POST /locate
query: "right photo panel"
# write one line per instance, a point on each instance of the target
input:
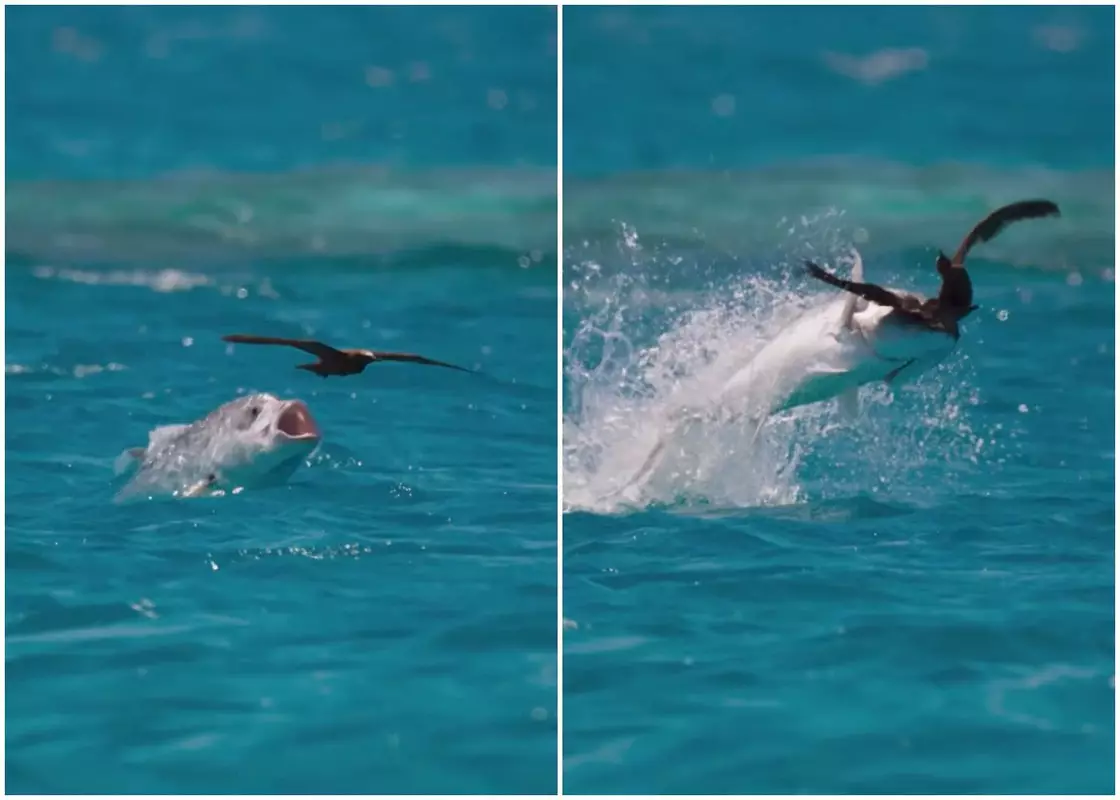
(839, 407)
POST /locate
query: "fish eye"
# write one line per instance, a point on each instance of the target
(255, 411)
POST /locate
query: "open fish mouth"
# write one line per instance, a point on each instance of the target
(296, 422)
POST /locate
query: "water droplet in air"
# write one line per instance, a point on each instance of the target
(724, 105)
(496, 99)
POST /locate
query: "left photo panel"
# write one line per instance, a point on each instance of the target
(281, 398)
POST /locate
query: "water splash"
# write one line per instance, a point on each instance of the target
(643, 352)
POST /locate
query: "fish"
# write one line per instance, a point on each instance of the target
(872, 334)
(249, 442)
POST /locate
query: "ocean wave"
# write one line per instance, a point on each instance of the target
(882, 207)
(38, 371)
(396, 216)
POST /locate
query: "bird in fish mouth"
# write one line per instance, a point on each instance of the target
(954, 300)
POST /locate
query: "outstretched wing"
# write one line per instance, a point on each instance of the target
(318, 349)
(381, 355)
(868, 291)
(989, 227)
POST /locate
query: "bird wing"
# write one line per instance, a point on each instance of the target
(381, 355)
(989, 227)
(868, 291)
(322, 351)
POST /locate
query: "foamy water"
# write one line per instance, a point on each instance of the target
(630, 385)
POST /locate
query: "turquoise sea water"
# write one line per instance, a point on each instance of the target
(919, 601)
(386, 621)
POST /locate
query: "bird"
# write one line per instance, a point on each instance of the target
(335, 361)
(954, 301)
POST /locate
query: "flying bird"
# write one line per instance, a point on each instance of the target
(333, 361)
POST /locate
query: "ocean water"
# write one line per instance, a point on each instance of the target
(385, 621)
(919, 600)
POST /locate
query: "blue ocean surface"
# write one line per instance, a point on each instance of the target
(916, 600)
(384, 621)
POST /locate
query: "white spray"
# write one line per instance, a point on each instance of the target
(700, 391)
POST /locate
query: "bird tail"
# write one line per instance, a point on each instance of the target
(315, 367)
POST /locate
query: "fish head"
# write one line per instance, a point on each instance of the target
(268, 416)
(897, 342)
(263, 437)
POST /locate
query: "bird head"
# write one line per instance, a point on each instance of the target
(955, 297)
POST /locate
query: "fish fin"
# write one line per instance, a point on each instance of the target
(846, 314)
(892, 376)
(164, 432)
(129, 459)
(200, 488)
(848, 402)
(853, 302)
(857, 275)
(857, 266)
(651, 463)
(756, 424)
(679, 420)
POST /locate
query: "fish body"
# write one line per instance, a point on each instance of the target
(253, 441)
